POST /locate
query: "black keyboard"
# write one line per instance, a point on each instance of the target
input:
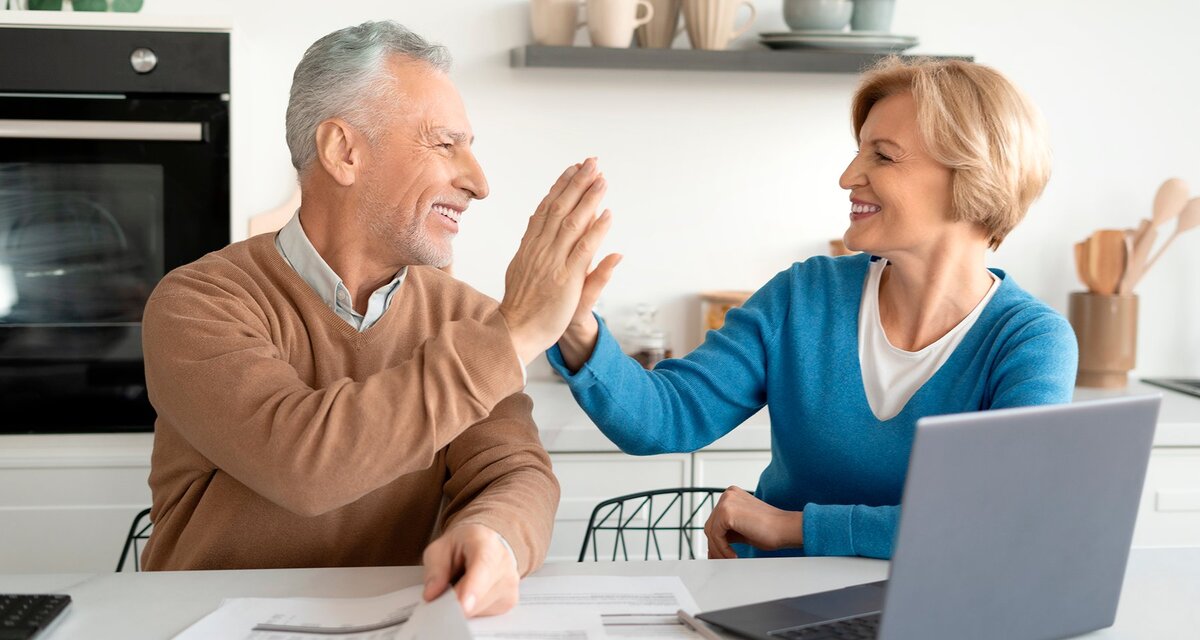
(856, 628)
(24, 616)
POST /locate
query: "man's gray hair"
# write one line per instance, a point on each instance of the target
(341, 72)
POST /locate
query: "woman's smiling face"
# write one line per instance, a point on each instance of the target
(900, 196)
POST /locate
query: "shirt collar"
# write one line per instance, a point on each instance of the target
(298, 250)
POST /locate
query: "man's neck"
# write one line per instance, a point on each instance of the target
(347, 252)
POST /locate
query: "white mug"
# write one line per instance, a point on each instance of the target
(611, 22)
(710, 23)
(554, 22)
(660, 32)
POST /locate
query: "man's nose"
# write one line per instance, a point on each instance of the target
(471, 177)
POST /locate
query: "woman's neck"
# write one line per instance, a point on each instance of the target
(921, 298)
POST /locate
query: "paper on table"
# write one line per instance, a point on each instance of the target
(630, 607)
(439, 619)
(540, 622)
(374, 618)
(566, 607)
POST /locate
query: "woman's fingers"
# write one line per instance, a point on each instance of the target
(595, 282)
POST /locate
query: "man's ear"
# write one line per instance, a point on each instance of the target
(340, 150)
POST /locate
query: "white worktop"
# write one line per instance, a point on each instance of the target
(1160, 589)
(564, 428)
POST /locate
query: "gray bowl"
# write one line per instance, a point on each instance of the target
(825, 15)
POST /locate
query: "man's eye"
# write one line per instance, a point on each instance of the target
(883, 157)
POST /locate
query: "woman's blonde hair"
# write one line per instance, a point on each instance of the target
(976, 122)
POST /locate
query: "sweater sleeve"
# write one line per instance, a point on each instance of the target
(850, 530)
(1038, 364)
(214, 374)
(499, 475)
(684, 403)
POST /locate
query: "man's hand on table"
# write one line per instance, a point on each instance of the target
(489, 581)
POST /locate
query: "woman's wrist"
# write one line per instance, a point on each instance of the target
(578, 342)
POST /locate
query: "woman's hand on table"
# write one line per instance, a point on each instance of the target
(742, 518)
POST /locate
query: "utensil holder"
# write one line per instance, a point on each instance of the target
(1106, 328)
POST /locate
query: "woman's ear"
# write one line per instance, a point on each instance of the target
(340, 150)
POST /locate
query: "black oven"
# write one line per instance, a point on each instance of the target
(114, 169)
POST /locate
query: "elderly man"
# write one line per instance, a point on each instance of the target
(325, 395)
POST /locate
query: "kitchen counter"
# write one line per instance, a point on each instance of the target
(564, 428)
(1178, 419)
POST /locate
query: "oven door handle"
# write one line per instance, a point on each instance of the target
(102, 130)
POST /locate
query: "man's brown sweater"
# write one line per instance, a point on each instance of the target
(286, 438)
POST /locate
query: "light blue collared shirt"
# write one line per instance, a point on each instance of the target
(299, 252)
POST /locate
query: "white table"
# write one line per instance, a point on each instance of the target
(1162, 587)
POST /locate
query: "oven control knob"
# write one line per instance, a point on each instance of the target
(143, 60)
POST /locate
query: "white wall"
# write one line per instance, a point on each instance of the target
(719, 180)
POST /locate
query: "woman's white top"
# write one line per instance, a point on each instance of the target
(891, 376)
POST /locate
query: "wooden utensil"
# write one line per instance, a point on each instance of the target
(1081, 263)
(1189, 218)
(1143, 240)
(1106, 257)
(1169, 200)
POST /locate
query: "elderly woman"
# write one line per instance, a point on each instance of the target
(847, 353)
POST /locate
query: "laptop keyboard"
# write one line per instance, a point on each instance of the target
(24, 616)
(856, 628)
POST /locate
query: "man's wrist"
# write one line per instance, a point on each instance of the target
(512, 554)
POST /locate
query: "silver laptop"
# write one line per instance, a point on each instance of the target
(1016, 525)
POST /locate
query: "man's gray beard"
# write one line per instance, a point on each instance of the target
(412, 241)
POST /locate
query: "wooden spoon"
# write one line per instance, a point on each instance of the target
(1142, 242)
(1189, 218)
(1081, 263)
(1106, 260)
(1169, 200)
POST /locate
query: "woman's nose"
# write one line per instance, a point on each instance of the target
(852, 177)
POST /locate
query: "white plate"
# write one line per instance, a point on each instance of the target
(839, 41)
(835, 34)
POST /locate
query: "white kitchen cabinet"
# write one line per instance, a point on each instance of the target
(723, 469)
(66, 502)
(590, 478)
(1169, 515)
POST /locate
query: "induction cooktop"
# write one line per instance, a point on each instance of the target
(1190, 386)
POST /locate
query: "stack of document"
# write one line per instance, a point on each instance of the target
(551, 608)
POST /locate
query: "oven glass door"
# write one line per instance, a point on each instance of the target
(99, 198)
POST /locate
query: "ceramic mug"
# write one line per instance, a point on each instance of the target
(710, 23)
(872, 15)
(611, 22)
(554, 22)
(662, 30)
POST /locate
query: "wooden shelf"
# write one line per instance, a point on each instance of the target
(786, 61)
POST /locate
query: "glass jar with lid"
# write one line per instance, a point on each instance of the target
(644, 340)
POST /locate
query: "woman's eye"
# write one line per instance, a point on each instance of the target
(882, 157)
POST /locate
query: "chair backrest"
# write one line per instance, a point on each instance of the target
(664, 524)
(139, 531)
